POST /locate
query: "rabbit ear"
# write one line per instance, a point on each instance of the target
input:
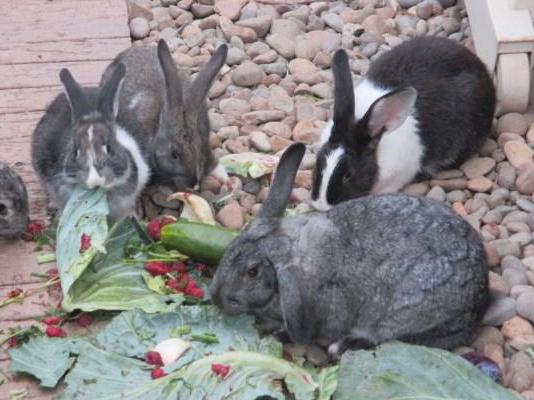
(207, 75)
(108, 98)
(173, 87)
(343, 94)
(275, 204)
(294, 304)
(79, 104)
(390, 111)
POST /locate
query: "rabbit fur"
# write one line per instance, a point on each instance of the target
(13, 203)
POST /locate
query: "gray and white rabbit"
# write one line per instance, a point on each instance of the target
(369, 270)
(424, 106)
(13, 203)
(80, 141)
(173, 110)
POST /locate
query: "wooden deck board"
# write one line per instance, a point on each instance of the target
(37, 39)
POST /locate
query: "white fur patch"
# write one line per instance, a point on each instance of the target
(93, 179)
(143, 171)
(332, 161)
(220, 173)
(138, 97)
(326, 132)
(365, 94)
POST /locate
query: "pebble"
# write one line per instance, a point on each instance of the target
(139, 28)
(519, 154)
(334, 21)
(437, 193)
(231, 216)
(512, 122)
(285, 46)
(248, 35)
(480, 184)
(499, 311)
(478, 166)
(525, 181)
(516, 326)
(260, 25)
(260, 141)
(247, 74)
(525, 305)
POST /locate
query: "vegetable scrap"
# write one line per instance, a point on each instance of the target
(54, 331)
(220, 370)
(85, 242)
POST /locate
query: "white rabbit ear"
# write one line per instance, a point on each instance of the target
(295, 305)
(390, 111)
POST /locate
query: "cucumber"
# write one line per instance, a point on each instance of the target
(201, 242)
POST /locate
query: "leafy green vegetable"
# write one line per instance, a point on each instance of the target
(109, 365)
(101, 278)
(250, 164)
(401, 371)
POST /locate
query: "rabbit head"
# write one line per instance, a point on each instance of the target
(180, 152)
(96, 159)
(13, 203)
(347, 161)
(248, 277)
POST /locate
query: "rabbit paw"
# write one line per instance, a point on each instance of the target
(352, 342)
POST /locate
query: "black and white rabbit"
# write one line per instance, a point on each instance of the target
(173, 110)
(424, 106)
(13, 203)
(79, 141)
(369, 270)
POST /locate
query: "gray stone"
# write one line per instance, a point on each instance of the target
(525, 305)
(139, 28)
(260, 141)
(334, 21)
(437, 193)
(506, 247)
(247, 74)
(500, 310)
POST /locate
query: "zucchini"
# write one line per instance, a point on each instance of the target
(202, 242)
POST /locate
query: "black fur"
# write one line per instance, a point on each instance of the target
(454, 108)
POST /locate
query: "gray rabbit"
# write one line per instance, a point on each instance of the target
(80, 141)
(173, 110)
(369, 270)
(13, 203)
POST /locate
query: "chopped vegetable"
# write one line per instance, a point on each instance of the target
(157, 373)
(54, 331)
(171, 349)
(84, 319)
(250, 164)
(153, 358)
(196, 209)
(220, 370)
(52, 320)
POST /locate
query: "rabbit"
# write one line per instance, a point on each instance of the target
(424, 106)
(173, 110)
(80, 141)
(13, 203)
(373, 269)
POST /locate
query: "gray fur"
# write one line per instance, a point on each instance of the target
(13, 203)
(62, 147)
(172, 109)
(367, 271)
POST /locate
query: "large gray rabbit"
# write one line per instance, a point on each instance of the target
(13, 203)
(173, 110)
(79, 141)
(367, 271)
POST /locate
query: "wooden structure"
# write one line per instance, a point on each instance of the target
(38, 38)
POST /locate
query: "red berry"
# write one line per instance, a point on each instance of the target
(173, 285)
(52, 320)
(220, 369)
(54, 331)
(153, 358)
(178, 266)
(157, 373)
(157, 268)
(33, 229)
(85, 242)
(196, 292)
(166, 220)
(11, 342)
(14, 293)
(85, 319)
(153, 229)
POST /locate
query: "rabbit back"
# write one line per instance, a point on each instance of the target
(13, 203)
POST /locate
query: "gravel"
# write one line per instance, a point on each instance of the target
(276, 88)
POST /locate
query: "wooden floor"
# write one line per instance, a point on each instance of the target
(37, 39)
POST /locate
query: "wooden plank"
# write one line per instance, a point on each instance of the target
(64, 51)
(47, 74)
(27, 99)
(61, 20)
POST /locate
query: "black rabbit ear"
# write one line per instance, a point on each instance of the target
(173, 87)
(294, 304)
(275, 204)
(108, 98)
(207, 75)
(343, 95)
(390, 111)
(79, 104)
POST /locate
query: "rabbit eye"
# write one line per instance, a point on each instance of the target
(107, 149)
(77, 153)
(174, 154)
(3, 209)
(252, 272)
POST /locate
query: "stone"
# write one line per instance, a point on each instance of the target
(514, 276)
(519, 154)
(247, 74)
(279, 99)
(416, 189)
(499, 311)
(236, 145)
(334, 21)
(408, 3)
(437, 193)
(285, 46)
(277, 128)
(279, 143)
(306, 48)
(266, 58)
(506, 175)
(478, 166)
(512, 122)
(228, 132)
(306, 132)
(229, 29)
(231, 216)
(525, 305)
(450, 184)
(516, 326)
(303, 179)
(488, 335)
(506, 247)
(139, 28)
(202, 10)
(497, 285)
(424, 9)
(261, 116)
(375, 24)
(450, 25)
(316, 355)
(480, 184)
(329, 41)
(234, 107)
(520, 372)
(229, 8)
(260, 141)
(260, 25)
(278, 68)
(235, 56)
(301, 65)
(285, 27)
(525, 181)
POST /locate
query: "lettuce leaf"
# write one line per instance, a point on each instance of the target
(100, 278)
